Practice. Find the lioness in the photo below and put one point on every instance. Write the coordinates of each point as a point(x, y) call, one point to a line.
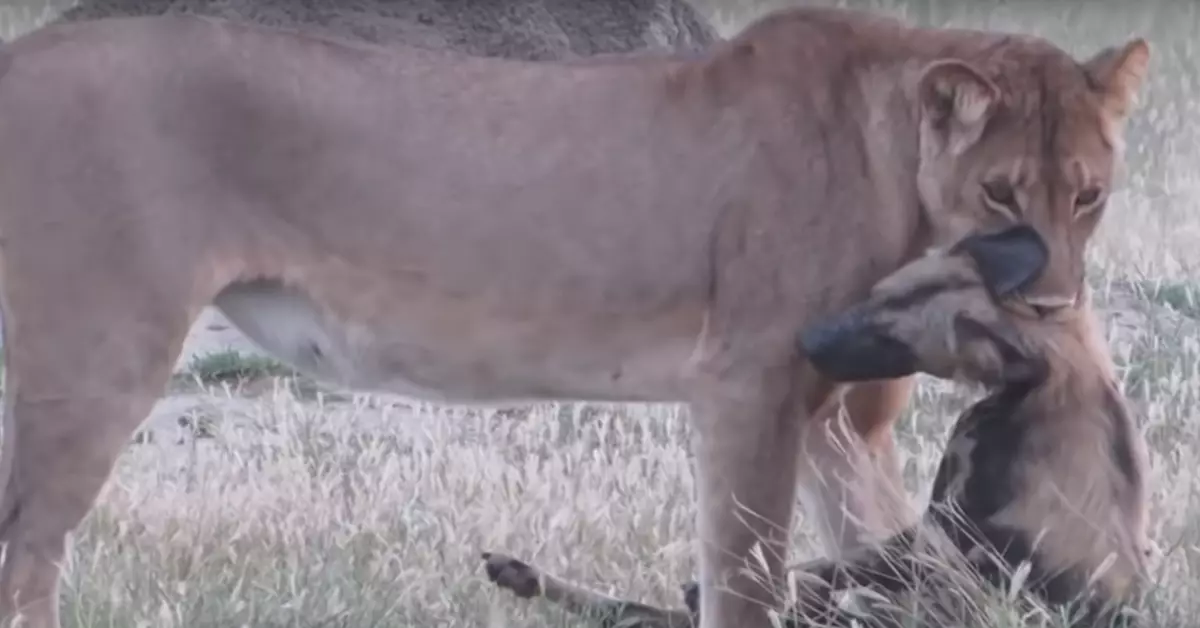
point(1048, 469)
point(465, 228)
point(563, 29)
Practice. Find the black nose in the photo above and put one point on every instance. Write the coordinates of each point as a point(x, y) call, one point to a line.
point(1044, 307)
point(1043, 311)
point(848, 349)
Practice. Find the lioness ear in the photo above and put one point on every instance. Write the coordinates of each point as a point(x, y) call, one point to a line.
point(1119, 73)
point(956, 101)
point(1008, 260)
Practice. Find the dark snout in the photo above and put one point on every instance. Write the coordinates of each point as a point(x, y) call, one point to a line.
point(853, 348)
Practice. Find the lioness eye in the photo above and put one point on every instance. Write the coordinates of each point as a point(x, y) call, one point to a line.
point(1087, 197)
point(1001, 193)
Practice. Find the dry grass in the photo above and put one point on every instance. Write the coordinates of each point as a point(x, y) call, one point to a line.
point(372, 511)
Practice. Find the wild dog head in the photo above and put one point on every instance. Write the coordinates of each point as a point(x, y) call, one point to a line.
point(941, 314)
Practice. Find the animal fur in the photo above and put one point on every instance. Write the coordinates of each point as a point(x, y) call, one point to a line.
point(645, 228)
point(1047, 469)
point(564, 29)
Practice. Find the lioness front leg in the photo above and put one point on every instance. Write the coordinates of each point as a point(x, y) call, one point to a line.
point(747, 441)
point(874, 492)
point(526, 581)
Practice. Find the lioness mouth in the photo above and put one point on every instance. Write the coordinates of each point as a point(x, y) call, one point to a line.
point(1051, 308)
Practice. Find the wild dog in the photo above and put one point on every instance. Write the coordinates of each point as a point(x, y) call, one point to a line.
point(643, 229)
point(1046, 470)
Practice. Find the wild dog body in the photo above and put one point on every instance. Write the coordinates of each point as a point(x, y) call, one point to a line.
point(466, 229)
point(1048, 468)
point(1039, 477)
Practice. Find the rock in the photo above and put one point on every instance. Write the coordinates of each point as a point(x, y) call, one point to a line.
point(525, 29)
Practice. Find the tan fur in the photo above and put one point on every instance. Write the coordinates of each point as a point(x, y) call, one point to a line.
point(1075, 496)
point(1077, 477)
point(1054, 437)
point(638, 229)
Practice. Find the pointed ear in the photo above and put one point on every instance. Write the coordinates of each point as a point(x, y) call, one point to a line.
point(1008, 260)
point(1119, 72)
point(956, 101)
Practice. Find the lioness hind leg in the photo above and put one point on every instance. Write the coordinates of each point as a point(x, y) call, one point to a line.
point(77, 387)
point(56, 475)
point(526, 581)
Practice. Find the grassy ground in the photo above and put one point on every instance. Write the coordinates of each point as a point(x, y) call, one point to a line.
point(303, 510)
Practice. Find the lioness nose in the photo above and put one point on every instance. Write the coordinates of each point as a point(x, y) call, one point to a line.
point(1046, 307)
point(1044, 311)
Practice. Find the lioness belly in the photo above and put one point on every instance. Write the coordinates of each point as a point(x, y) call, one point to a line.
point(445, 354)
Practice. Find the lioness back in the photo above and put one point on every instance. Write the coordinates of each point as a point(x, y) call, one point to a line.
point(457, 153)
point(364, 173)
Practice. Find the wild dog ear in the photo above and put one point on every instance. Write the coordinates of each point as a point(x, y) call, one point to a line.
point(1004, 358)
point(1119, 72)
point(1008, 260)
point(956, 101)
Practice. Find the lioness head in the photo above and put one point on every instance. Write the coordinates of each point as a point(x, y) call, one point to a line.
point(941, 315)
point(1017, 131)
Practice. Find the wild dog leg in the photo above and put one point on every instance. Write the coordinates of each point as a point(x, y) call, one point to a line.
point(850, 479)
point(526, 581)
point(890, 566)
point(80, 377)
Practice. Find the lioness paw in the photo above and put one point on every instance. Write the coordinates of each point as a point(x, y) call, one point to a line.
point(509, 573)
